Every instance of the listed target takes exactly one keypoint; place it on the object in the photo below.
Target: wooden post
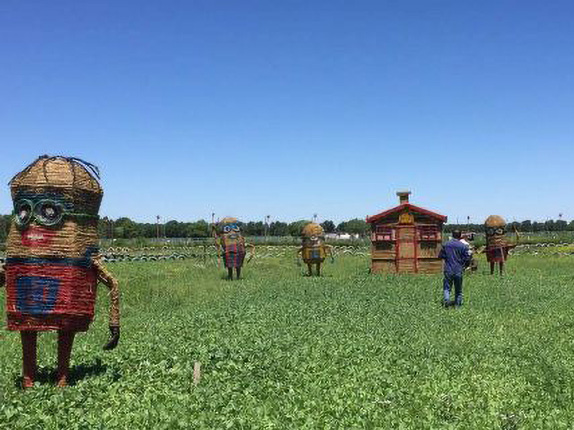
(196, 372)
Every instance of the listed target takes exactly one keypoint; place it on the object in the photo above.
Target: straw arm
(297, 259)
(329, 249)
(109, 281)
(218, 251)
(517, 236)
(251, 251)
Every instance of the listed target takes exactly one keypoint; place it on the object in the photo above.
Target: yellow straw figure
(52, 261)
(313, 248)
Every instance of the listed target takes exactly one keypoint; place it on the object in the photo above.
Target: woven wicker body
(313, 248)
(231, 242)
(50, 274)
(497, 254)
(497, 247)
(233, 250)
(314, 254)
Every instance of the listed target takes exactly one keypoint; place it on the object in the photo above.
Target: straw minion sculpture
(52, 264)
(313, 248)
(231, 246)
(497, 246)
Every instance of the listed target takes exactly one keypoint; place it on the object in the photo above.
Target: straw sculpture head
(495, 227)
(229, 228)
(56, 203)
(312, 234)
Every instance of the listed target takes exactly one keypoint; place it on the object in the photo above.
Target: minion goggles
(46, 212)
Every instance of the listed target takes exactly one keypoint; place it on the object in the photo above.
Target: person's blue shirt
(456, 257)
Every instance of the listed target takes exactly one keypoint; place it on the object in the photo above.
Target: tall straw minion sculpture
(313, 248)
(231, 245)
(497, 246)
(52, 263)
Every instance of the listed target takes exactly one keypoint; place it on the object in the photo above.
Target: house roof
(411, 208)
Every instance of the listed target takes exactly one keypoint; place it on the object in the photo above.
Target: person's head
(456, 234)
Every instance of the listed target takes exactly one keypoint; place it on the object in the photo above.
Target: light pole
(267, 218)
(157, 227)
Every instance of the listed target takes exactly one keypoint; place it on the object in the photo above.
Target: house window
(384, 234)
(429, 233)
(384, 246)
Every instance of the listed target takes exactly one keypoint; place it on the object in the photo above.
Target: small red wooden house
(406, 239)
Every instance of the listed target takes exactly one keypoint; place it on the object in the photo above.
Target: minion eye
(236, 228)
(499, 231)
(23, 212)
(227, 229)
(49, 213)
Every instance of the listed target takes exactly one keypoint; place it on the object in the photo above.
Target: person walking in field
(456, 258)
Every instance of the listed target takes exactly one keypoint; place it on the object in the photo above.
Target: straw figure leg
(492, 264)
(238, 272)
(310, 269)
(230, 273)
(65, 343)
(29, 342)
(318, 266)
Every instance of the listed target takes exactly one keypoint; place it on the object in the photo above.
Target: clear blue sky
(290, 108)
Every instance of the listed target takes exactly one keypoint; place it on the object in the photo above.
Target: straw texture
(231, 242)
(50, 276)
(313, 249)
(496, 244)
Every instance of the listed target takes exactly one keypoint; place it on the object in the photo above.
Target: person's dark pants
(449, 280)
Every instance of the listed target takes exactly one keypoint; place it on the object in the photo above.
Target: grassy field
(279, 350)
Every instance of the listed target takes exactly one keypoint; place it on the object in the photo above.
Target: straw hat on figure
(497, 246)
(231, 246)
(52, 262)
(313, 248)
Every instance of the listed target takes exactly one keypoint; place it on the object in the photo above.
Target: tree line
(526, 226)
(125, 228)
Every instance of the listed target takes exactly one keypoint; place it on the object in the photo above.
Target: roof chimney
(403, 196)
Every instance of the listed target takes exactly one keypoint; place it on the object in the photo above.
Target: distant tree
(4, 226)
(355, 226)
(125, 228)
(328, 226)
(526, 225)
(254, 228)
(296, 227)
(198, 229)
(278, 228)
(173, 229)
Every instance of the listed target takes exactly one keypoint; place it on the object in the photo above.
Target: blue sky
(290, 108)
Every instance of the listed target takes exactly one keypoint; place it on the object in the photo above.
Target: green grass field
(279, 350)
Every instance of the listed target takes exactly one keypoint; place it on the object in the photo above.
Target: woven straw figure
(52, 263)
(231, 245)
(313, 248)
(497, 246)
